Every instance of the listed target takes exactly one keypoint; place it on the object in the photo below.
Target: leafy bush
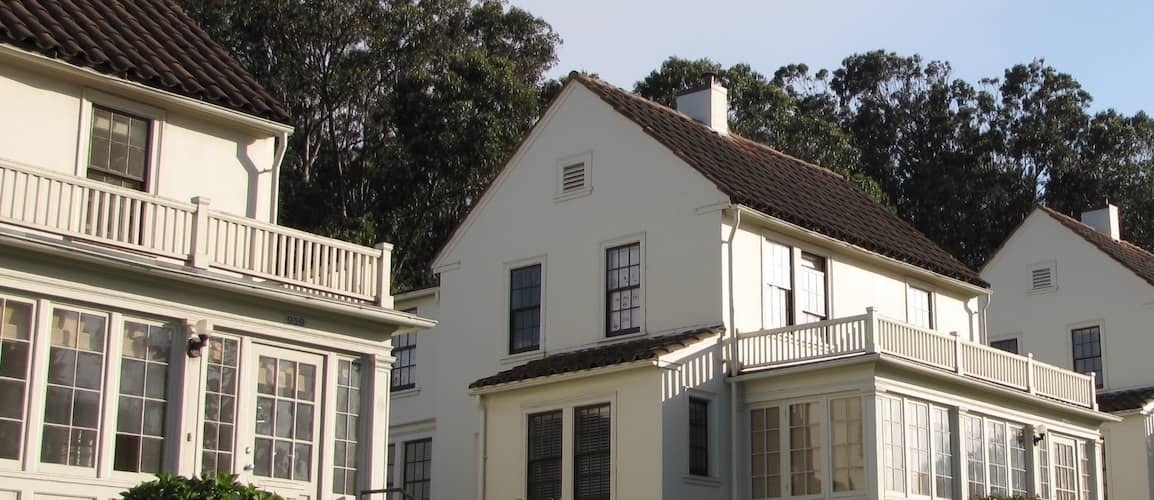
(219, 487)
(1005, 497)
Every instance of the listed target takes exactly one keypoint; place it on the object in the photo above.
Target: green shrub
(219, 487)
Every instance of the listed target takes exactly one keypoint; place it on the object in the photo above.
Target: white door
(1065, 461)
(285, 425)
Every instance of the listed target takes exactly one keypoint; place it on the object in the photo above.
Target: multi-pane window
(347, 414)
(404, 366)
(699, 436)
(1087, 343)
(1065, 470)
(893, 444)
(417, 477)
(919, 307)
(765, 449)
(220, 405)
(591, 455)
(999, 477)
(1084, 469)
(15, 352)
(1018, 476)
(285, 408)
(623, 289)
(846, 444)
(143, 397)
(118, 151)
(389, 465)
(943, 455)
(923, 434)
(918, 416)
(543, 477)
(805, 448)
(75, 388)
(525, 309)
(777, 273)
(975, 455)
(1044, 468)
(811, 294)
(1008, 345)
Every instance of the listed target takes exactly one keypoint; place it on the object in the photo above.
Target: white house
(155, 316)
(644, 305)
(1076, 295)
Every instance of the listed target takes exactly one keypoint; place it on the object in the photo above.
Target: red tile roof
(782, 186)
(601, 356)
(1135, 258)
(152, 42)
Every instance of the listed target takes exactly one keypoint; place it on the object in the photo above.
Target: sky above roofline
(1104, 44)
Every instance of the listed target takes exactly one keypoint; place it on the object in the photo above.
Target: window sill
(708, 481)
(405, 393)
(521, 357)
(622, 337)
(572, 195)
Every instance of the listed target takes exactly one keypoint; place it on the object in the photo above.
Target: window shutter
(572, 178)
(1041, 278)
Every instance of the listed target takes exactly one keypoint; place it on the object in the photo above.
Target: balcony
(82, 210)
(872, 333)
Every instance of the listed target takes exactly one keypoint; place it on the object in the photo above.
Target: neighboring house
(1076, 295)
(644, 305)
(145, 328)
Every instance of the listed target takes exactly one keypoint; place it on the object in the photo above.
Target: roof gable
(1137, 259)
(782, 186)
(151, 42)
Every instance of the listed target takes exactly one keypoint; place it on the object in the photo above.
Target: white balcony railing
(873, 333)
(96, 212)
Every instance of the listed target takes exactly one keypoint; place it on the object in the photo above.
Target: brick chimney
(1104, 220)
(708, 104)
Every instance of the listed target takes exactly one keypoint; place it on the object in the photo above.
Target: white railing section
(87, 210)
(873, 333)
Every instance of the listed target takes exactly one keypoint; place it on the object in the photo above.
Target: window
(919, 307)
(699, 436)
(1087, 343)
(285, 409)
(894, 444)
(943, 454)
(404, 350)
(1065, 469)
(777, 270)
(525, 309)
(220, 405)
(15, 350)
(765, 448)
(925, 438)
(544, 467)
(1018, 476)
(996, 457)
(810, 427)
(390, 463)
(118, 148)
(846, 444)
(143, 398)
(805, 449)
(75, 388)
(811, 288)
(591, 458)
(1008, 345)
(919, 446)
(347, 413)
(416, 477)
(623, 289)
(975, 456)
(1044, 468)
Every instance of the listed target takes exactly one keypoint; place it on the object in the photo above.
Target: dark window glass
(219, 405)
(1008, 345)
(623, 289)
(418, 459)
(591, 460)
(389, 464)
(15, 349)
(1087, 344)
(143, 398)
(525, 309)
(544, 467)
(404, 350)
(118, 149)
(345, 457)
(698, 437)
(811, 288)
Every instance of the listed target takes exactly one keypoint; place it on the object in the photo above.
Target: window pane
(346, 460)
(1087, 346)
(544, 456)
(71, 411)
(416, 465)
(404, 350)
(805, 448)
(893, 444)
(143, 398)
(525, 309)
(118, 148)
(591, 459)
(220, 408)
(623, 290)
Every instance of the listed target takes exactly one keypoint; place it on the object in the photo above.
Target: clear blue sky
(1107, 45)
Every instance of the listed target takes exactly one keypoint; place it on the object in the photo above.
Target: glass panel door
(286, 423)
(1065, 470)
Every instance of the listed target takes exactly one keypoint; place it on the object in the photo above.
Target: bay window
(917, 448)
(789, 442)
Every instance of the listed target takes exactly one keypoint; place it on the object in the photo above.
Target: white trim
(1069, 343)
(1052, 266)
(157, 121)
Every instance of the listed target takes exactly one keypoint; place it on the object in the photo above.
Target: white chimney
(708, 104)
(1104, 220)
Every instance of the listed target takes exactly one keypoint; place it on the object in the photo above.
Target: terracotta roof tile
(597, 357)
(1133, 257)
(1129, 399)
(152, 42)
(782, 186)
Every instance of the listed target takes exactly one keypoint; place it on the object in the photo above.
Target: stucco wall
(1092, 289)
(47, 118)
(1126, 460)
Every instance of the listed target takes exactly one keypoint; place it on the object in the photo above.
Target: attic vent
(1042, 278)
(572, 178)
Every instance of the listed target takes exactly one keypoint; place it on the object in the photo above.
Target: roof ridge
(1141, 263)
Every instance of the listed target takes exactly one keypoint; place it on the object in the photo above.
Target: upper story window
(623, 289)
(404, 367)
(1087, 346)
(1008, 345)
(777, 270)
(525, 309)
(811, 289)
(919, 307)
(118, 148)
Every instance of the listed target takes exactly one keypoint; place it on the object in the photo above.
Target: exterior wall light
(197, 336)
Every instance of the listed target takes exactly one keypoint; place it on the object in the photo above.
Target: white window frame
(826, 444)
(568, 436)
(586, 160)
(931, 305)
(30, 380)
(158, 118)
(906, 404)
(795, 251)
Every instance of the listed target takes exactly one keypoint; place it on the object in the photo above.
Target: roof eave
(560, 377)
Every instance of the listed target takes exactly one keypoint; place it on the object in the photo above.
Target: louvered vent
(1042, 278)
(572, 178)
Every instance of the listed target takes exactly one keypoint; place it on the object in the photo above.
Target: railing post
(959, 367)
(1094, 390)
(871, 330)
(199, 257)
(1030, 383)
(384, 267)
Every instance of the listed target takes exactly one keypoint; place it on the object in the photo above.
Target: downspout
(735, 476)
(983, 305)
(279, 150)
(482, 452)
